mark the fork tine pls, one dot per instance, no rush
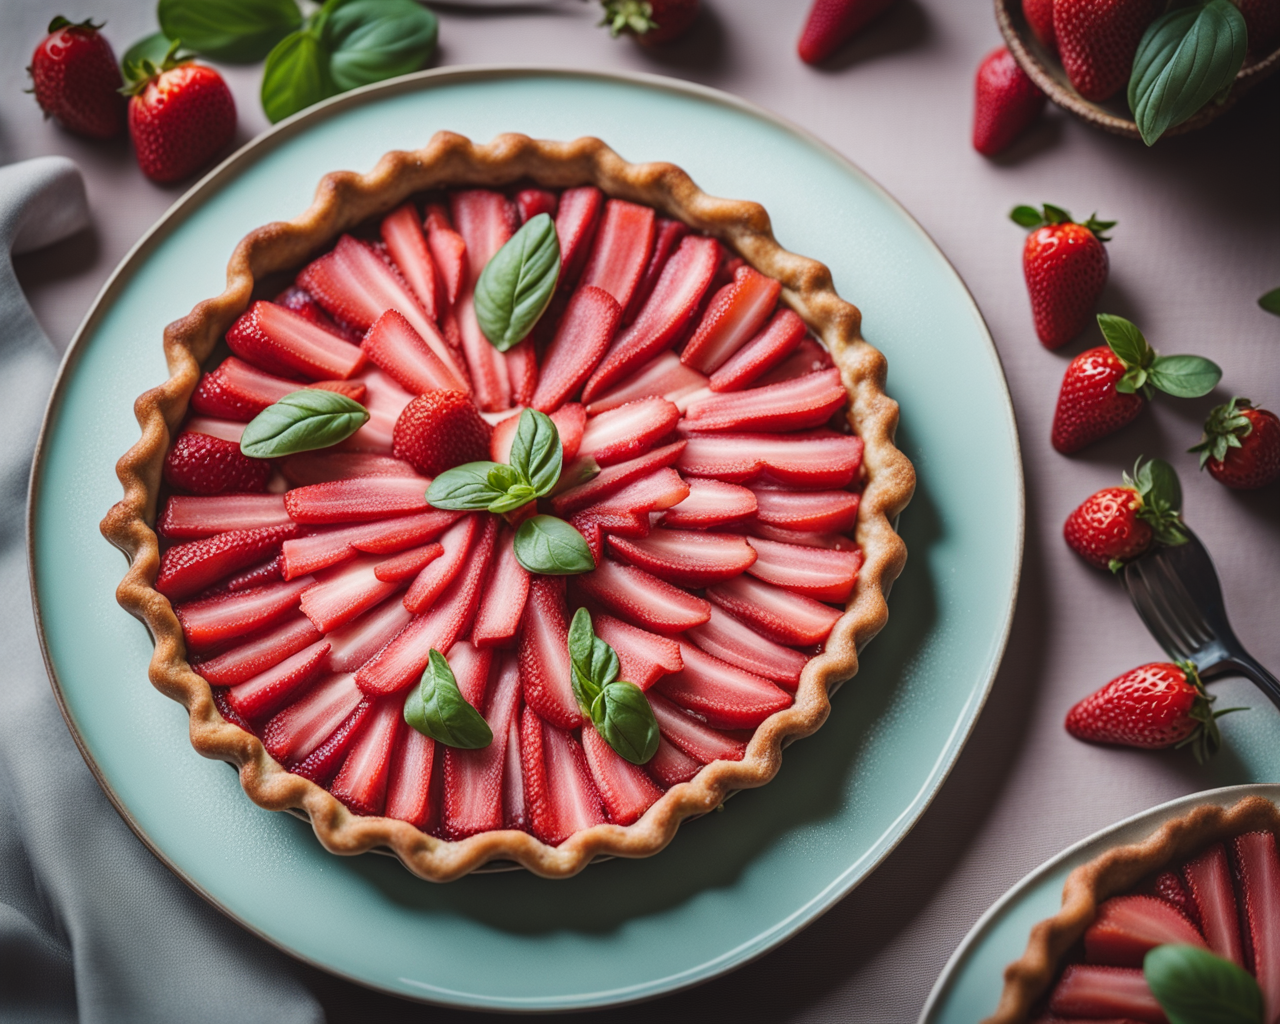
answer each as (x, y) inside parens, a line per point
(1159, 588)
(1182, 606)
(1140, 592)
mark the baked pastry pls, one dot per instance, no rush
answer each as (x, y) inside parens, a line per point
(1210, 878)
(298, 600)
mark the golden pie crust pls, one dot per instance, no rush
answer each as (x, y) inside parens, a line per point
(345, 199)
(1110, 874)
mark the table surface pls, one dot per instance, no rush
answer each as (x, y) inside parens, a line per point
(1194, 248)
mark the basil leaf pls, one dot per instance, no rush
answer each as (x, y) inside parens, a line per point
(371, 40)
(1186, 58)
(519, 495)
(301, 422)
(551, 546)
(237, 31)
(595, 663)
(1158, 483)
(296, 76)
(579, 471)
(1026, 216)
(1184, 376)
(436, 708)
(464, 488)
(518, 282)
(1126, 341)
(1193, 986)
(622, 715)
(536, 453)
(1271, 301)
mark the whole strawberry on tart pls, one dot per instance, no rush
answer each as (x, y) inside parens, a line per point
(527, 521)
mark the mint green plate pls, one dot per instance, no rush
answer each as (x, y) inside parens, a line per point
(730, 887)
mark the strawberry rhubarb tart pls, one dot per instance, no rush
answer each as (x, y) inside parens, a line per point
(513, 503)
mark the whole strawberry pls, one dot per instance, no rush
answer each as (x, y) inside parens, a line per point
(831, 22)
(439, 430)
(181, 115)
(1097, 40)
(1039, 15)
(1117, 524)
(1104, 388)
(649, 22)
(203, 464)
(1006, 101)
(1065, 264)
(1241, 445)
(75, 79)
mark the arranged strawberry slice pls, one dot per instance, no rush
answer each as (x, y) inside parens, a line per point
(1126, 928)
(688, 558)
(711, 503)
(304, 304)
(735, 314)
(296, 732)
(457, 542)
(594, 525)
(738, 644)
(782, 616)
(210, 621)
(473, 779)
(691, 736)
(515, 813)
(470, 666)
(266, 691)
(236, 390)
(1105, 992)
(819, 458)
(1169, 887)
(801, 538)
(628, 430)
(226, 430)
(576, 220)
(624, 788)
(187, 569)
(661, 489)
(187, 518)
(449, 252)
(1258, 872)
(488, 366)
(320, 765)
(261, 652)
(664, 376)
(409, 778)
(797, 404)
(362, 638)
(407, 564)
(559, 793)
(667, 236)
(545, 672)
(775, 341)
(723, 696)
(643, 598)
(345, 592)
(394, 346)
(522, 371)
(643, 657)
(269, 571)
(406, 244)
(807, 358)
(486, 220)
(323, 466)
(583, 335)
(831, 511)
(503, 598)
(620, 251)
(207, 464)
(570, 421)
(671, 765)
(361, 783)
(280, 341)
(685, 279)
(614, 478)
(821, 574)
(321, 549)
(532, 201)
(358, 499)
(1212, 892)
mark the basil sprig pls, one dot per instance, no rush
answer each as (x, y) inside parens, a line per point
(436, 708)
(301, 422)
(536, 457)
(619, 710)
(517, 283)
(1193, 986)
(1186, 58)
(552, 547)
(1180, 376)
(237, 31)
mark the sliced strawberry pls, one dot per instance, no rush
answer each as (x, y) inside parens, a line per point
(358, 499)
(362, 638)
(270, 571)
(628, 430)
(522, 371)
(228, 713)
(323, 466)
(693, 737)
(687, 558)
(735, 314)
(792, 405)
(402, 660)
(620, 251)
(412, 362)
(614, 478)
(644, 599)
(802, 538)
(571, 421)
(226, 430)
(324, 548)
(361, 783)
(1169, 887)
(624, 788)
(485, 220)
(1258, 872)
(818, 458)
(503, 598)
(263, 693)
(278, 340)
(643, 657)
(1213, 895)
(667, 235)
(685, 279)
(504, 435)
(409, 779)
(532, 201)
(407, 246)
(473, 779)
(235, 390)
(515, 813)
(662, 489)
(345, 592)
(470, 666)
(1116, 992)
(545, 671)
(215, 620)
(299, 729)
(664, 376)
(738, 644)
(488, 368)
(407, 564)
(187, 518)
(723, 696)
(671, 765)
(561, 796)
(593, 526)
(383, 393)
(1126, 928)
(376, 437)
(439, 573)
(576, 220)
(304, 304)
(815, 572)
(187, 569)
(775, 341)
(781, 615)
(808, 357)
(583, 335)
(322, 763)
(830, 511)
(205, 464)
(448, 250)
(259, 653)
(711, 503)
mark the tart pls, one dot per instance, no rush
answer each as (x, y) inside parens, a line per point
(1209, 879)
(402, 668)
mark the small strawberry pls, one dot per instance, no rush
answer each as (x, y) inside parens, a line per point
(1241, 445)
(203, 464)
(1103, 388)
(831, 22)
(1097, 40)
(76, 80)
(1065, 265)
(1006, 101)
(1151, 707)
(1117, 524)
(649, 22)
(180, 116)
(1039, 15)
(439, 430)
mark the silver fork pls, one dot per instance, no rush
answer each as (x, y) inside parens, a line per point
(1177, 595)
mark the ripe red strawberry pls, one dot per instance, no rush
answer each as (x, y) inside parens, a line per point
(650, 22)
(1117, 524)
(203, 464)
(75, 79)
(831, 22)
(1153, 706)
(1097, 40)
(1039, 15)
(439, 430)
(180, 116)
(1241, 445)
(1006, 101)
(1065, 266)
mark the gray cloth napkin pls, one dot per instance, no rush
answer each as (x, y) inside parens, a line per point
(92, 927)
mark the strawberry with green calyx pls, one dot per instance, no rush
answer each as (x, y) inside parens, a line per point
(1117, 524)
(1103, 389)
(1241, 445)
(75, 79)
(1065, 265)
(649, 22)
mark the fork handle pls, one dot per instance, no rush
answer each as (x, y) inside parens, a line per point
(1260, 677)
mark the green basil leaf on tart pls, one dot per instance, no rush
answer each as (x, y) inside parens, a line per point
(302, 421)
(517, 283)
(436, 708)
(551, 546)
